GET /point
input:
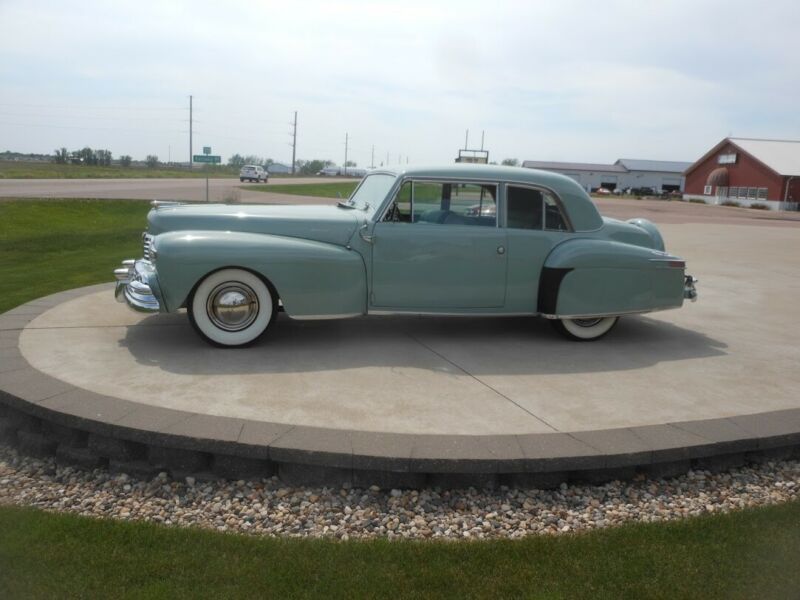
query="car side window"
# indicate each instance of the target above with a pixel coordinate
(427, 200)
(530, 208)
(524, 208)
(472, 204)
(442, 203)
(553, 217)
(400, 209)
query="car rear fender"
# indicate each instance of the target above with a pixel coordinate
(591, 277)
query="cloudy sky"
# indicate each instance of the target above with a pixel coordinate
(546, 80)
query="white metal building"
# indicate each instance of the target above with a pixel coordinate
(660, 175)
(279, 168)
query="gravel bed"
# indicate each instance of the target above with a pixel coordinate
(267, 507)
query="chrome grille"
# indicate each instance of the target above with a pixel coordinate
(147, 246)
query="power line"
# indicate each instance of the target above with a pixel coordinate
(88, 107)
(51, 126)
(88, 117)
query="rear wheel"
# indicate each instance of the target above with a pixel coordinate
(584, 330)
(232, 307)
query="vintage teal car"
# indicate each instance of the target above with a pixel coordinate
(456, 240)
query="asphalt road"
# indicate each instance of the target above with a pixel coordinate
(227, 190)
(219, 190)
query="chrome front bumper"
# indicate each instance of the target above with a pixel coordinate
(689, 291)
(133, 288)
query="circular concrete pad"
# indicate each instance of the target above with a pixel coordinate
(733, 352)
(669, 380)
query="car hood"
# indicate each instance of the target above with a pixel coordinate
(323, 223)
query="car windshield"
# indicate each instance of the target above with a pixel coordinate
(370, 192)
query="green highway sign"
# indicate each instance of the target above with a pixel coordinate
(207, 158)
(206, 149)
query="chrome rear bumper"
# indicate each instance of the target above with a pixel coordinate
(133, 288)
(689, 291)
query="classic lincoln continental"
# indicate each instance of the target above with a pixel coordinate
(456, 240)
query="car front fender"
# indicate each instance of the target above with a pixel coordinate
(312, 279)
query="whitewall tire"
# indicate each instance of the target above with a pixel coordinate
(232, 307)
(585, 330)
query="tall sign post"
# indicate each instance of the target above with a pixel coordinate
(294, 142)
(472, 155)
(190, 132)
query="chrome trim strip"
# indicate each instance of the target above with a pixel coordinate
(148, 252)
(325, 317)
(670, 260)
(450, 314)
(611, 314)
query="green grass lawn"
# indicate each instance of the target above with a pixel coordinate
(10, 169)
(752, 554)
(322, 190)
(49, 246)
(46, 247)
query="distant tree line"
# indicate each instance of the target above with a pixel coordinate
(84, 156)
(238, 161)
(303, 167)
(9, 155)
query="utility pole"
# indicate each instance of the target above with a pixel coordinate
(346, 136)
(372, 162)
(387, 159)
(191, 156)
(294, 141)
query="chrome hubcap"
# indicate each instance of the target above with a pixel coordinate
(586, 322)
(232, 306)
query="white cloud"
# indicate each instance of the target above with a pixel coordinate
(570, 80)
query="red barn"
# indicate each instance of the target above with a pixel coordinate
(748, 171)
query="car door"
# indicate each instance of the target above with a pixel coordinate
(438, 247)
(535, 224)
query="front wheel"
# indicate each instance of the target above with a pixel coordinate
(232, 307)
(584, 330)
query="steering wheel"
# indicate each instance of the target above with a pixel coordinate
(393, 215)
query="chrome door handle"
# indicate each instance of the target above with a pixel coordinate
(362, 231)
(501, 250)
